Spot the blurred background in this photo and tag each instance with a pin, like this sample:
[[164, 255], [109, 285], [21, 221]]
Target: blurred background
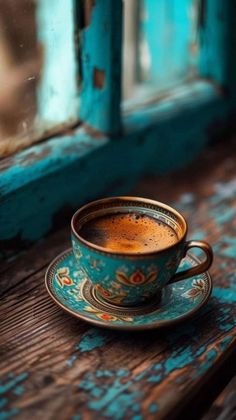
[[40, 75], [37, 65]]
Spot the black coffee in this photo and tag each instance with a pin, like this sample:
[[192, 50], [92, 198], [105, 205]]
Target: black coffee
[[128, 232]]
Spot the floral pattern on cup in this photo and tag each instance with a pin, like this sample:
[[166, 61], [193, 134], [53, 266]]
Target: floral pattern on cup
[[137, 278], [115, 295], [62, 277], [95, 264], [77, 249], [116, 292], [78, 254]]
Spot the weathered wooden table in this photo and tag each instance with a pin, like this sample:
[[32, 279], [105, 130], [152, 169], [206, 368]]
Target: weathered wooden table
[[56, 367]]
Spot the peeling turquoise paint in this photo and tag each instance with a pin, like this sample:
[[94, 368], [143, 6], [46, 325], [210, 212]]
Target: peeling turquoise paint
[[199, 234], [138, 417], [122, 373], [230, 249], [223, 265], [107, 390], [97, 392], [117, 396], [3, 402], [155, 378], [224, 344], [12, 382], [223, 191], [187, 198], [211, 354], [153, 408], [224, 295], [223, 316], [207, 362], [104, 374], [49, 158], [227, 326], [146, 373], [101, 51], [91, 340], [5, 415], [53, 181], [71, 360], [136, 407], [76, 417], [200, 350], [110, 390], [222, 214], [19, 390], [179, 359]]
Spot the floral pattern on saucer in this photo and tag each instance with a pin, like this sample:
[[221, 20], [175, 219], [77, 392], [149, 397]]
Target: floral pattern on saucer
[[70, 289]]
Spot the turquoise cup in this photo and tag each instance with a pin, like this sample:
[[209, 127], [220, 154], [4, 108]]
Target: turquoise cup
[[129, 279]]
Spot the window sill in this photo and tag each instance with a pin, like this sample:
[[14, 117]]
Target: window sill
[[40, 183], [144, 109]]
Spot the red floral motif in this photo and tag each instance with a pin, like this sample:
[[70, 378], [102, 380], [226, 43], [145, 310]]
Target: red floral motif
[[62, 277], [136, 278], [102, 291], [114, 295], [107, 317], [197, 289]]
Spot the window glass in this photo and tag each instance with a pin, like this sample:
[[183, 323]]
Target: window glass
[[38, 91], [161, 45]]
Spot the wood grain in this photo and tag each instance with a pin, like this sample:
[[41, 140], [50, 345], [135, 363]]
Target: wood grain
[[17, 268], [56, 367], [224, 407]]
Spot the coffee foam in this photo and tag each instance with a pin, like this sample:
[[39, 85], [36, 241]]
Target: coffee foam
[[129, 232]]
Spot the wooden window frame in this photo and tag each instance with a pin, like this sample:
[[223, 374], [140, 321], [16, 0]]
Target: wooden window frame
[[114, 145]]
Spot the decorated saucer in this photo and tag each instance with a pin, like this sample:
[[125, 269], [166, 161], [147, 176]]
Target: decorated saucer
[[73, 292]]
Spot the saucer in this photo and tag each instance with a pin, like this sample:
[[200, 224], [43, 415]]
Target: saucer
[[69, 288]]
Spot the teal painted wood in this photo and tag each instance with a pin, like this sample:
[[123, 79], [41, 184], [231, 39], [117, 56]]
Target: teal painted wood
[[65, 172], [179, 133], [101, 40], [167, 42], [57, 92], [214, 41], [217, 37]]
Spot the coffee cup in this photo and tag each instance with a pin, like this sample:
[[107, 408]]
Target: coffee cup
[[131, 247]]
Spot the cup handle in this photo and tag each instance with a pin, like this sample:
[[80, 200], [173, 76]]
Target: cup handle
[[200, 268]]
